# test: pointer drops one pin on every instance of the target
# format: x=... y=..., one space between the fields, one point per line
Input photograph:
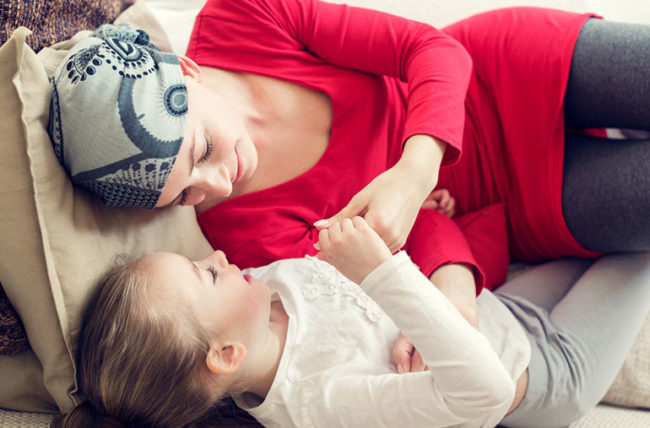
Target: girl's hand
x=390 y=203
x=352 y=247
x=406 y=357
x=441 y=201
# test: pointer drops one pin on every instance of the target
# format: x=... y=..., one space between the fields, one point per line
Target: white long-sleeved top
x=337 y=370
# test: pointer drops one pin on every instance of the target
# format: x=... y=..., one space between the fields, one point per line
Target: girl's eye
x=214 y=274
x=208 y=149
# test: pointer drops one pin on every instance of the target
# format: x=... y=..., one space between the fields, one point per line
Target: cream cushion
x=631 y=388
x=57 y=241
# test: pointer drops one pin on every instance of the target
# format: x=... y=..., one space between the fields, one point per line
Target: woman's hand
x=352 y=247
x=441 y=201
x=390 y=203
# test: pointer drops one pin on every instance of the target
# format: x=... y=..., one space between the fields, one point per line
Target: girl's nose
x=219 y=257
x=216 y=258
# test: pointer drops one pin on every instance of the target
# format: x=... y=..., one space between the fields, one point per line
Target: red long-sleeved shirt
x=387 y=77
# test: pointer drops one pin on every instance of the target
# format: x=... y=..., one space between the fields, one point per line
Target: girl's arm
x=466 y=381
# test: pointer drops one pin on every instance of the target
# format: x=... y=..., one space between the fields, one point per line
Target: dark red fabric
x=423 y=245
x=485 y=231
x=481 y=233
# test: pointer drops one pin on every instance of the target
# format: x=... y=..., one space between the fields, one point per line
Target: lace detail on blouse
x=327 y=281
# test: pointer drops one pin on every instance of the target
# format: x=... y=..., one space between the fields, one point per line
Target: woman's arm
x=391 y=202
x=435 y=66
x=437 y=70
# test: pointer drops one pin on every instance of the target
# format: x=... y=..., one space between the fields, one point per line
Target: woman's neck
x=243 y=95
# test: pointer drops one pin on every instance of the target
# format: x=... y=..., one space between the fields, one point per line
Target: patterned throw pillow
x=52 y=21
x=13 y=339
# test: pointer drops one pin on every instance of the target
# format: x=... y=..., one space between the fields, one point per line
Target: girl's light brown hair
x=141 y=357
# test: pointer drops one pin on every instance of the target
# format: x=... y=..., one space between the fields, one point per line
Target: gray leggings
x=581 y=320
x=606 y=190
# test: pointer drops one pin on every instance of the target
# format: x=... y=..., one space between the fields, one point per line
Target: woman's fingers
x=355 y=207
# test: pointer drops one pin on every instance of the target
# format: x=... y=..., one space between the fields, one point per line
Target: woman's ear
x=190 y=68
x=224 y=359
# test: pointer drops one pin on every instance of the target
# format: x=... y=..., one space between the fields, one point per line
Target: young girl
x=165 y=338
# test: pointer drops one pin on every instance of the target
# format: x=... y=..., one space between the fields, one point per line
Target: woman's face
x=222 y=298
x=217 y=152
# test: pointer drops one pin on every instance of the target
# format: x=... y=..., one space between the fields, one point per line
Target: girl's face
x=217 y=152
x=222 y=298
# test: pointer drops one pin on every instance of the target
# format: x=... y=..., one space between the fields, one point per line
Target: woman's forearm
x=456 y=282
x=422 y=156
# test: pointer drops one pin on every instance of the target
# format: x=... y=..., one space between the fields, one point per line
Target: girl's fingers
x=323 y=239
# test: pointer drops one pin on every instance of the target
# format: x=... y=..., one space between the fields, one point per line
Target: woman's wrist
x=422 y=156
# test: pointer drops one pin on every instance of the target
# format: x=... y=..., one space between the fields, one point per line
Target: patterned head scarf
x=117 y=116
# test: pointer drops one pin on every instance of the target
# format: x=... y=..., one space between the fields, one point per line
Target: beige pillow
x=56 y=240
x=631 y=387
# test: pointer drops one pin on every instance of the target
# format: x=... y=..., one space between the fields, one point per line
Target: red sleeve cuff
x=436 y=240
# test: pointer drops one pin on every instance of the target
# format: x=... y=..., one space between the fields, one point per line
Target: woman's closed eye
x=206 y=155
x=208 y=149
x=214 y=274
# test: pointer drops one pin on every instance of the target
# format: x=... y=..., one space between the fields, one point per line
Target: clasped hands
x=356 y=249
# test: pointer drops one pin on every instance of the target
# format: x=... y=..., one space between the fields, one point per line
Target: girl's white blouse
x=337 y=370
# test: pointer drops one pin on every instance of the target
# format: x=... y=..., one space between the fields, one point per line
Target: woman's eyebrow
x=192 y=148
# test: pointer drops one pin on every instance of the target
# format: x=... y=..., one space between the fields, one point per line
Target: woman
x=166 y=337
x=299 y=111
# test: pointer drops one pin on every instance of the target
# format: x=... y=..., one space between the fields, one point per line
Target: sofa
x=57 y=241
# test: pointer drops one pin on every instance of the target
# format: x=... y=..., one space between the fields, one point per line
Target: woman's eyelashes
x=208 y=149
x=206 y=155
x=183 y=198
x=214 y=274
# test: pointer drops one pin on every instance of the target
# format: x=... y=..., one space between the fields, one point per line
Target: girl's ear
x=224 y=359
x=190 y=68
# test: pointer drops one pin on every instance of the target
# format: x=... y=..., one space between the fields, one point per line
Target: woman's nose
x=215 y=181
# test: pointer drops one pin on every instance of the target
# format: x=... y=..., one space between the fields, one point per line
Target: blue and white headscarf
x=117 y=115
